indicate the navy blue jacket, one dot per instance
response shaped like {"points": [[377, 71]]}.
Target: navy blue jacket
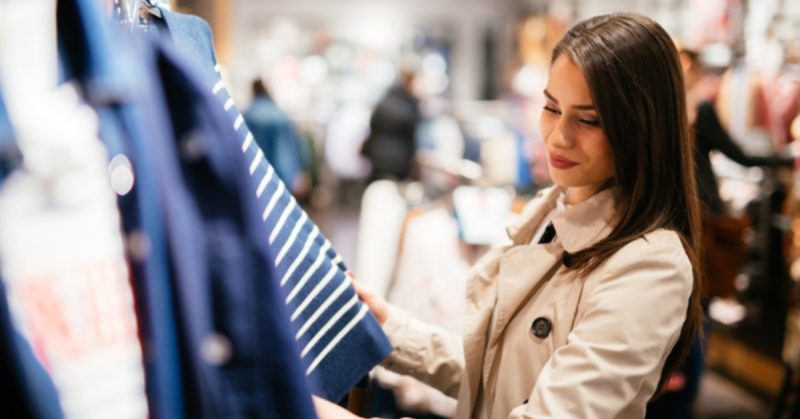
{"points": [[103, 62], [340, 339], [216, 335]]}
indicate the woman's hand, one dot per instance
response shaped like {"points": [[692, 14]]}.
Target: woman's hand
{"points": [[328, 410], [376, 304]]}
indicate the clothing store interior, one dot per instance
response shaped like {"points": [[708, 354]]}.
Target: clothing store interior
{"points": [[252, 158]]}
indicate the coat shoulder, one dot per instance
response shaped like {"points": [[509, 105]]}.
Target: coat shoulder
{"points": [[659, 249]]}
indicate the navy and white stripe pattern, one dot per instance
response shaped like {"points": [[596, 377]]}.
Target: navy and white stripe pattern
{"points": [[340, 340]]}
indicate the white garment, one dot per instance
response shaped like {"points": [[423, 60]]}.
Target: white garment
{"points": [[63, 263], [431, 270], [482, 213], [380, 226], [431, 266], [346, 132]]}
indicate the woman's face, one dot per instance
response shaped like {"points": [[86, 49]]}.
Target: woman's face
{"points": [[578, 153]]}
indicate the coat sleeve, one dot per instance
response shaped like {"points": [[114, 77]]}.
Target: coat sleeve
{"points": [[630, 321], [426, 352]]}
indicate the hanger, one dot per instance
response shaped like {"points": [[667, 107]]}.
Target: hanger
{"points": [[151, 7], [126, 12], [134, 13]]}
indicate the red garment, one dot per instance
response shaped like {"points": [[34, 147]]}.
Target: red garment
{"points": [[783, 93]]}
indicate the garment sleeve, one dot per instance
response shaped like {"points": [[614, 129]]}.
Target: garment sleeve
{"points": [[710, 129], [208, 39], [426, 352], [631, 319]]}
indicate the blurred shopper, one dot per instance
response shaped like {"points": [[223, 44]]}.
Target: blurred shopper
{"points": [[275, 133], [596, 300], [710, 135], [723, 234], [390, 146]]}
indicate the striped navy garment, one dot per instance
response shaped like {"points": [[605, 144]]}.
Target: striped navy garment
{"points": [[340, 340]]}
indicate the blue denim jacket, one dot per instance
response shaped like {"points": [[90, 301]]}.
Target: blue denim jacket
{"points": [[229, 351], [340, 339]]}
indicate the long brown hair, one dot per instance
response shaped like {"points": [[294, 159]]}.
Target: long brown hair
{"points": [[634, 75]]}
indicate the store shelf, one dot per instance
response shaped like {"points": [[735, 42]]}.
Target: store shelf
{"points": [[744, 365]]}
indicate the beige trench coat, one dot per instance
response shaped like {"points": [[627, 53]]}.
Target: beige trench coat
{"points": [[609, 333]]}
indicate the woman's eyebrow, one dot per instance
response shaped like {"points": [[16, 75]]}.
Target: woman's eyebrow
{"points": [[549, 96], [589, 107]]}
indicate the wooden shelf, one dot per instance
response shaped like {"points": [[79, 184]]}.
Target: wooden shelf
{"points": [[746, 366]]}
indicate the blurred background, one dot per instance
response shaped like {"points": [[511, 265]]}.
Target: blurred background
{"points": [[408, 129]]}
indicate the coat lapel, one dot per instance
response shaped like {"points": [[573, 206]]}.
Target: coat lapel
{"points": [[505, 278], [483, 294], [523, 228], [523, 270], [524, 266]]}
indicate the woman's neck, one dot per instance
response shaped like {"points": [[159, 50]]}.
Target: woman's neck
{"points": [[577, 194]]}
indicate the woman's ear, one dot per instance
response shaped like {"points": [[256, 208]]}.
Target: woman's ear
{"points": [[687, 64]]}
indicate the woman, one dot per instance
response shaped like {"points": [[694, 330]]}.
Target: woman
{"points": [[595, 301]]}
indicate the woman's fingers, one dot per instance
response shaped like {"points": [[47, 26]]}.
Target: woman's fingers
{"points": [[328, 410], [376, 304]]}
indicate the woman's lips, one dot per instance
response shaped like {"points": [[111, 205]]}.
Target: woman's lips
{"points": [[560, 162]]}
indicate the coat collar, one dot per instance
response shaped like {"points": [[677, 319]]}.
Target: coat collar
{"points": [[578, 227], [88, 52]]}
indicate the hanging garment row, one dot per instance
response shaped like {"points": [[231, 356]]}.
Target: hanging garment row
{"points": [[206, 291], [331, 324]]}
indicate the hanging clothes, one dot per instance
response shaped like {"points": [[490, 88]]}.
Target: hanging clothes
{"points": [[430, 266], [64, 268], [28, 390], [116, 86], [783, 91], [243, 360], [237, 356], [62, 256], [339, 338], [380, 228], [10, 157]]}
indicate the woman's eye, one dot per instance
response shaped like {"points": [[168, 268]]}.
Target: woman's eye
{"points": [[552, 110], [590, 122]]}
